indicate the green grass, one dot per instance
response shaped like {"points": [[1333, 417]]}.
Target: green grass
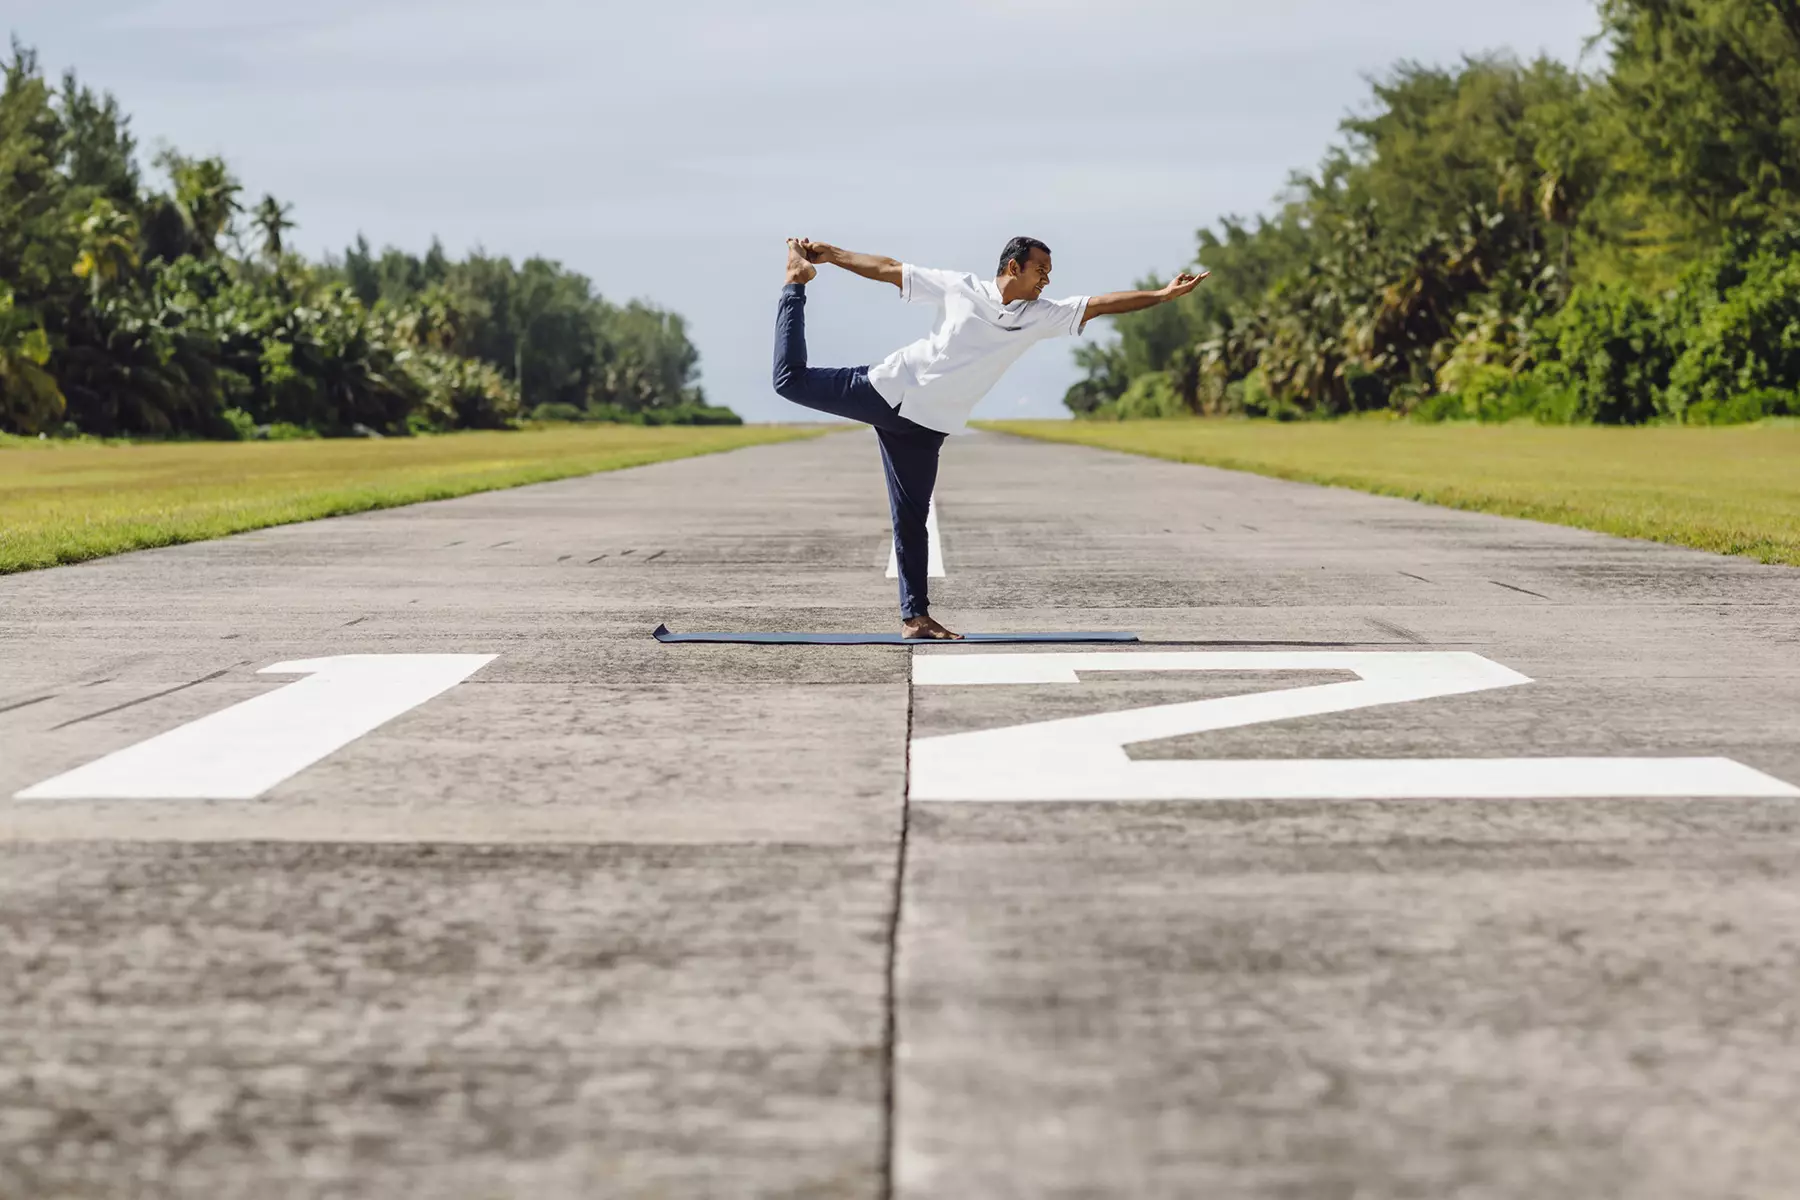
{"points": [[1733, 489], [62, 503]]}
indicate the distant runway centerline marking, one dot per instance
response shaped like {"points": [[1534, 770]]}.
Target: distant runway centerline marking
{"points": [[935, 561], [243, 751], [1084, 758]]}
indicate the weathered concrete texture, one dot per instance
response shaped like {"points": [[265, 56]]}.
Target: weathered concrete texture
{"points": [[524, 762], [607, 919], [247, 1019], [1291, 1003], [612, 918], [1520, 998]]}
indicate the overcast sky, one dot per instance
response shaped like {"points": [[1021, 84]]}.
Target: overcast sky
{"points": [[665, 148]]}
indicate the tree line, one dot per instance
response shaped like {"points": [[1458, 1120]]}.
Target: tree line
{"points": [[178, 309], [1503, 239]]}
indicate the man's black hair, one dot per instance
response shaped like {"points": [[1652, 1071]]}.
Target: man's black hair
{"points": [[1019, 250]]}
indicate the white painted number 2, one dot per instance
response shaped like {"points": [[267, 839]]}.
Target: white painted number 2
{"points": [[1083, 758], [243, 751]]}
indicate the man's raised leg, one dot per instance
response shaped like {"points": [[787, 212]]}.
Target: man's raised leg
{"points": [[840, 391], [790, 323]]}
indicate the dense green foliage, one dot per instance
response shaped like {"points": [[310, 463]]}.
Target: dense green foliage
{"points": [[131, 310], [573, 354], [1505, 239]]}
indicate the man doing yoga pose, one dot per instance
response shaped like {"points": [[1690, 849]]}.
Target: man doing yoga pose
{"points": [[922, 392]]}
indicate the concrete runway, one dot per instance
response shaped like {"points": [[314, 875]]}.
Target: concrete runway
{"points": [[611, 918]]}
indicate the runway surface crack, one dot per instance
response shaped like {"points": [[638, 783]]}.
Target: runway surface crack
{"points": [[890, 1034], [180, 687], [1527, 591], [1399, 631]]}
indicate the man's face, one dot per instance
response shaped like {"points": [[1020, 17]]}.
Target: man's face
{"points": [[1035, 272]]}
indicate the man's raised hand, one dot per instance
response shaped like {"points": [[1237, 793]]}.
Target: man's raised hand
{"points": [[869, 266], [1183, 283]]}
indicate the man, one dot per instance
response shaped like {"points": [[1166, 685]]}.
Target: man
{"points": [[922, 392]]}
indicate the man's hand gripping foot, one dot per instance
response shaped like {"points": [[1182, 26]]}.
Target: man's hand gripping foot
{"points": [[798, 269], [923, 628]]}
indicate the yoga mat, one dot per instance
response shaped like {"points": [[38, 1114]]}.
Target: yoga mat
{"points": [[662, 634]]}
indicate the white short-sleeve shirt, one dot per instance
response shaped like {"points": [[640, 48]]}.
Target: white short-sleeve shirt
{"points": [[937, 381]]}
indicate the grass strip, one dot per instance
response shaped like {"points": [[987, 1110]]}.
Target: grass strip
{"points": [[1731, 489], [64, 503]]}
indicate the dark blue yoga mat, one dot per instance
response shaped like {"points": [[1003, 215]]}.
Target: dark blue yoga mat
{"points": [[881, 639]]}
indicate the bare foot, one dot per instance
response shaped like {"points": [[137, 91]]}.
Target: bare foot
{"points": [[798, 269], [923, 628]]}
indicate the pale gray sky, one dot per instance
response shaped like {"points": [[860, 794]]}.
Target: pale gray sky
{"points": [[665, 148]]}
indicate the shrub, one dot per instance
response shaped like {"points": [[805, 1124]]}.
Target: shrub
{"points": [[1548, 397], [1252, 396], [558, 412], [687, 414], [1755, 405], [236, 424], [459, 393], [1484, 391], [1490, 393], [1494, 394], [1606, 353], [1440, 406], [1151, 394], [1745, 349]]}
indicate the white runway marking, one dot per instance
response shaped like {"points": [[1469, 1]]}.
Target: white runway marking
{"points": [[935, 563], [1083, 758], [245, 750]]}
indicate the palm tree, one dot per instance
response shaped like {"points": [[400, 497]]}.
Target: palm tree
{"points": [[108, 239], [530, 299], [271, 216], [29, 395], [206, 196]]}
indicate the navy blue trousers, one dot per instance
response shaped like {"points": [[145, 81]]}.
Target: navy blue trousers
{"points": [[909, 452]]}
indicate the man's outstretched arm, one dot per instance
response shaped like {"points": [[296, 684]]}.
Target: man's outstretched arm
{"points": [[1113, 303], [869, 266]]}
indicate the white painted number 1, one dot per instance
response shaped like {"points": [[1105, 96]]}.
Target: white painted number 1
{"points": [[1083, 758], [243, 751]]}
